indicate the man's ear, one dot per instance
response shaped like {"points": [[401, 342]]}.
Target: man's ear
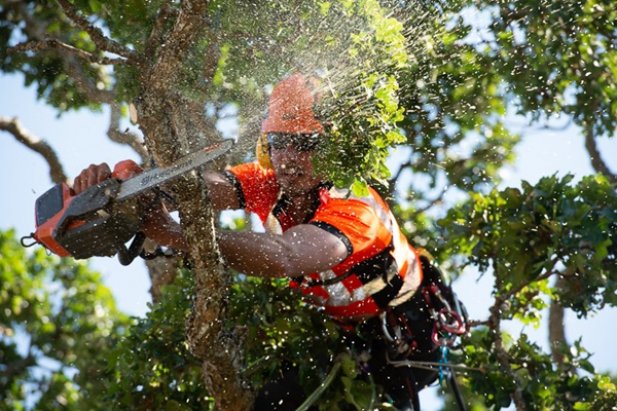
{"points": [[262, 151]]}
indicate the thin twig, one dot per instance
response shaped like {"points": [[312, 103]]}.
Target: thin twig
{"points": [[563, 127], [34, 143], [124, 137], [548, 273], [433, 202], [102, 42], [322, 387], [49, 43]]}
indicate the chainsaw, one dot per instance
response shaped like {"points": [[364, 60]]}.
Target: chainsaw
{"points": [[102, 219]]}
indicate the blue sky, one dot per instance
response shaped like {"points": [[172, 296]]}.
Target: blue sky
{"points": [[79, 139]]}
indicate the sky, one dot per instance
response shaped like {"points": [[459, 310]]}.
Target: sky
{"points": [[80, 139]]}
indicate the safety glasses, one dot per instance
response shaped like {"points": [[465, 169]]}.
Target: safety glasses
{"points": [[300, 142]]}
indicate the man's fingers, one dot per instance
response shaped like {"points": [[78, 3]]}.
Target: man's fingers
{"points": [[78, 186], [103, 172], [90, 176]]}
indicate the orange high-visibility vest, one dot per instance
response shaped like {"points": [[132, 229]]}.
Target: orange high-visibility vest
{"points": [[382, 270]]}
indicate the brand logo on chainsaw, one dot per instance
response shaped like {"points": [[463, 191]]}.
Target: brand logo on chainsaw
{"points": [[163, 174], [158, 176]]}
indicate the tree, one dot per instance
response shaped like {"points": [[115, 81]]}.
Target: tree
{"points": [[394, 73]]}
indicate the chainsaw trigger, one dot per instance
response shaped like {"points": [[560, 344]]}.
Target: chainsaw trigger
{"points": [[26, 237]]}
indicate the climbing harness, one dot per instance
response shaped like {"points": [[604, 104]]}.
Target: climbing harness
{"points": [[448, 323], [448, 319]]}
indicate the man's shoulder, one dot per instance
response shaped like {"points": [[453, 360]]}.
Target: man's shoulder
{"points": [[253, 174]]}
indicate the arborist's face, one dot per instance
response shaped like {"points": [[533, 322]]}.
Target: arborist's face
{"points": [[294, 167]]}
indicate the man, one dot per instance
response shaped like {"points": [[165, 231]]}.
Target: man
{"points": [[343, 253]]}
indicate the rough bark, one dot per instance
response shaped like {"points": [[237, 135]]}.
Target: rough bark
{"points": [[163, 121]]}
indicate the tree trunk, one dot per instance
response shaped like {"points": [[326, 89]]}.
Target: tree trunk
{"points": [[556, 328], [174, 126], [165, 121]]}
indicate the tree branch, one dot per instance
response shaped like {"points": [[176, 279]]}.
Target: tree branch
{"points": [[501, 354], [19, 366], [400, 170], [188, 26], [13, 126], [596, 159], [494, 323], [85, 84], [557, 333], [49, 43], [431, 203], [70, 55], [157, 35], [102, 42], [124, 137]]}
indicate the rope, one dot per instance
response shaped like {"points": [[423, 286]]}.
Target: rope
{"points": [[430, 365], [443, 360]]}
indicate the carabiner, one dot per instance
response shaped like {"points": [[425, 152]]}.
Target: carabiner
{"points": [[451, 321], [22, 241]]}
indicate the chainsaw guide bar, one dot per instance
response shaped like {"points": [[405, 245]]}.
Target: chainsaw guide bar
{"points": [[160, 175]]}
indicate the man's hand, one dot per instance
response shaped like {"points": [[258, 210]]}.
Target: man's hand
{"points": [[157, 224], [90, 176]]}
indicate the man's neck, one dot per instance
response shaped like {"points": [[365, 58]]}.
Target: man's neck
{"points": [[302, 204]]}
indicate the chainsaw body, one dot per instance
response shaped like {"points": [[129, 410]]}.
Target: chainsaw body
{"points": [[102, 219], [88, 224]]}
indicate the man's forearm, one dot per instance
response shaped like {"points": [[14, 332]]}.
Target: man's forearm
{"points": [[165, 231], [247, 252], [255, 254]]}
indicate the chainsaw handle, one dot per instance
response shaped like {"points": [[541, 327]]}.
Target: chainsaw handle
{"points": [[126, 256], [92, 199]]}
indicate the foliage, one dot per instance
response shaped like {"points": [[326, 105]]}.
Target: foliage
{"points": [[552, 228], [55, 319], [523, 237], [151, 367], [558, 57], [280, 335], [542, 387]]}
